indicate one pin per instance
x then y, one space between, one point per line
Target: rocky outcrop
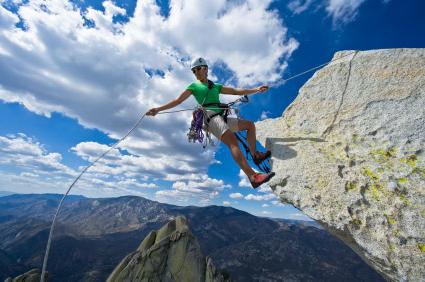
31 276
349 152
170 254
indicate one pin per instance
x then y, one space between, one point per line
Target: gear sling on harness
200 116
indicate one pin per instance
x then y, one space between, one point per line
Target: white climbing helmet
198 62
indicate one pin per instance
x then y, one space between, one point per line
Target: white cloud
104 76
189 176
22 151
117 162
343 10
7 19
186 197
298 216
299 6
265 188
226 203
243 180
266 197
37 170
264 115
205 184
29 175
200 191
277 203
265 206
236 196
266 212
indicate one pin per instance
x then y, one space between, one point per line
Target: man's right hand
152 112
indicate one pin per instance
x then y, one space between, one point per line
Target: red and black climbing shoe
259 157
259 178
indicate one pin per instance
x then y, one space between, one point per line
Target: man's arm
171 104
237 91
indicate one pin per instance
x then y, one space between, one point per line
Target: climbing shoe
260 178
259 157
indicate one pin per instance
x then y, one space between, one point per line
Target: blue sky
76 76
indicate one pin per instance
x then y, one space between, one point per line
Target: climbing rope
49 240
318 67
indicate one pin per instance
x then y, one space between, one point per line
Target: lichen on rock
350 150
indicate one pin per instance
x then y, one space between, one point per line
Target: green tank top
200 91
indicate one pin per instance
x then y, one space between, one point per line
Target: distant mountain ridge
5 193
93 235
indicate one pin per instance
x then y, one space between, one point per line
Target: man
207 93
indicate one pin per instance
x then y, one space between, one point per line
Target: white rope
322 65
49 241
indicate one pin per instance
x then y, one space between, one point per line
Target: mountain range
93 235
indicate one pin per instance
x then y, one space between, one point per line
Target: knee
246 125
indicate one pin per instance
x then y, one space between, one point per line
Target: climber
206 94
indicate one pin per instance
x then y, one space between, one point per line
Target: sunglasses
195 69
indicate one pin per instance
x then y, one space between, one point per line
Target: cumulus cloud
201 191
277 203
265 188
236 196
185 197
22 151
200 186
226 203
37 170
243 180
118 162
265 197
298 216
106 73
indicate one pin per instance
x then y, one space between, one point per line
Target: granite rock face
171 253
349 152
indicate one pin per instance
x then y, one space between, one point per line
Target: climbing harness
200 117
200 123
49 240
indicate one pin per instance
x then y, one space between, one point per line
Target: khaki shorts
218 127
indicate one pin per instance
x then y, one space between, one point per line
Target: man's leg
251 138
230 140
256 179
